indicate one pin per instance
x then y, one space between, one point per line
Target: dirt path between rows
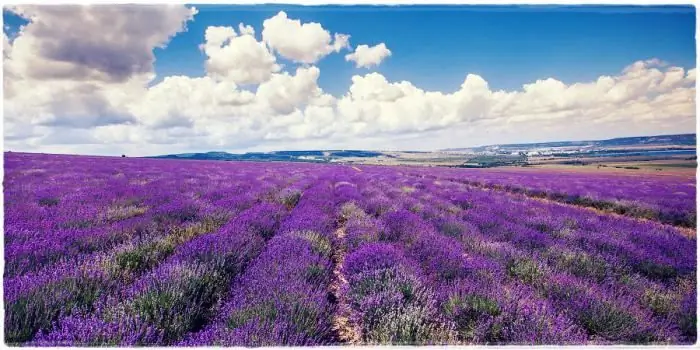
343 326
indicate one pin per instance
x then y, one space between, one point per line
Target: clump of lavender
391 303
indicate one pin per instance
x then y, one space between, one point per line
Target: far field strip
603 206
685 231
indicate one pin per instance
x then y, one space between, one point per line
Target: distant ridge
328 156
317 156
660 140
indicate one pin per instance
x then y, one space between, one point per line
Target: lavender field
119 251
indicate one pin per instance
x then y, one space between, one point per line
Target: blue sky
433 47
563 53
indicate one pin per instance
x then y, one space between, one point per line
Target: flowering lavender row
51 221
387 296
392 304
71 271
637 324
35 300
439 262
603 286
178 296
461 281
656 251
669 199
282 298
169 252
281 301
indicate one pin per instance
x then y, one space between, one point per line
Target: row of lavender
589 267
589 277
53 272
205 253
666 198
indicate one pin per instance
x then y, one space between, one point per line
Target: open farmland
119 251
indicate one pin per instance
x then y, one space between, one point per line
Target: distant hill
595 147
318 156
669 140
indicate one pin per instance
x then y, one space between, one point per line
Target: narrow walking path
346 331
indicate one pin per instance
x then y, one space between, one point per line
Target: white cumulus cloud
108 43
366 57
79 73
238 58
304 43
